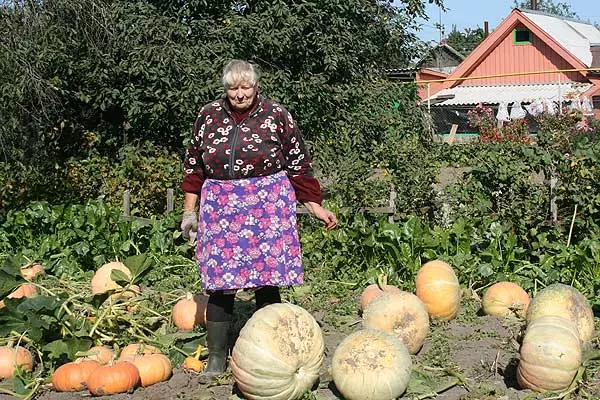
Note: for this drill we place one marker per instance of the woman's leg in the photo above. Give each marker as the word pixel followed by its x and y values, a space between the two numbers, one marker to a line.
pixel 267 295
pixel 219 314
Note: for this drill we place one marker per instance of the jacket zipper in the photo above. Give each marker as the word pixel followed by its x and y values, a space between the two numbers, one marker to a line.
pixel 236 135
pixel 234 139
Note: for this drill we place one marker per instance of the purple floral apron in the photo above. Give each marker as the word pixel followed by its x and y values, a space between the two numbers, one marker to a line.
pixel 247 234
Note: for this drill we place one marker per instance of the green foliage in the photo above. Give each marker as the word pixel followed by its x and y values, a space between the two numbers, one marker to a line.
pixel 556 8
pixel 465 41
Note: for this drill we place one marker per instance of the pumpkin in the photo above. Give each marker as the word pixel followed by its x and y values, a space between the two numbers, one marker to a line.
pixel 402 314
pixel 31 271
pixel 119 377
pixel 189 311
pixel 565 301
pixel 374 290
pixel 505 299
pixel 371 364
pixel 193 362
pixel 278 353
pixel 438 288
pixel 25 290
pixel 153 368
pixel 13 357
pixel 102 354
pixel 73 376
pixel 102 281
pixel 550 354
pixel 137 349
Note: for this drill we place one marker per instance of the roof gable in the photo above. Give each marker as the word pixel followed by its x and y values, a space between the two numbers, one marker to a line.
pixel 515 18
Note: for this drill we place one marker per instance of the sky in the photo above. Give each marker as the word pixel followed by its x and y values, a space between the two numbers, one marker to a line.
pixel 473 13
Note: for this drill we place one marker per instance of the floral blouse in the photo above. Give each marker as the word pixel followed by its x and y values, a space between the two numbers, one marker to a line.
pixel 263 143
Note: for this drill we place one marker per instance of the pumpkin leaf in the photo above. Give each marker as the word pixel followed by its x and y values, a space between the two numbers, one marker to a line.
pixel 10 275
pixel 66 348
pixel 139 265
pixel 119 277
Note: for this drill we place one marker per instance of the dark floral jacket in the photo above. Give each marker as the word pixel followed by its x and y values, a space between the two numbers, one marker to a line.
pixel 267 141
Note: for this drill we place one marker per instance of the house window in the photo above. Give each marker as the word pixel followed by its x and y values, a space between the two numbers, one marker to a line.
pixel 596 102
pixel 522 36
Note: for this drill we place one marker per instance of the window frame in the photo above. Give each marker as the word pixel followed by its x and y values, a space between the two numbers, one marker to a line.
pixel 522 42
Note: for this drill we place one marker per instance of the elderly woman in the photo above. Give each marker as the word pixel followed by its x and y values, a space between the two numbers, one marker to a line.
pixel 248 165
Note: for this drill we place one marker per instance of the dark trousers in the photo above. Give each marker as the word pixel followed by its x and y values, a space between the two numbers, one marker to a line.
pixel 220 304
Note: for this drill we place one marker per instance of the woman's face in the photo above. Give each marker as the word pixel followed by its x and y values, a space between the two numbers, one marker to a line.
pixel 241 95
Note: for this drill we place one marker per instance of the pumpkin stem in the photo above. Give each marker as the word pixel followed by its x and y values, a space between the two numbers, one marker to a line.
pixel 382 279
pixel 198 351
pixel 189 296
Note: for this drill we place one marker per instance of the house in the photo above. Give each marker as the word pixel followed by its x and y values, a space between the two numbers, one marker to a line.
pixel 438 63
pixel 530 57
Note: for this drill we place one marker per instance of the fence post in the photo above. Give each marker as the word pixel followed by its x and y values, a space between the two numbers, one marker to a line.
pixel 553 210
pixel 392 205
pixel 169 200
pixel 127 203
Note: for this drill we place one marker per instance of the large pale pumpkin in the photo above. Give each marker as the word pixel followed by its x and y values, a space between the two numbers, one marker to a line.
pixel 438 288
pixel 13 357
pixel 102 281
pixel 550 354
pixel 189 311
pixel 402 314
pixel 374 290
pixel 564 301
pixel 278 353
pixel 73 376
pixel 505 299
pixel 371 365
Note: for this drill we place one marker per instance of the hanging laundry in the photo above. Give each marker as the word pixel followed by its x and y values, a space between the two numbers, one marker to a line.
pixel 517 111
pixel 502 114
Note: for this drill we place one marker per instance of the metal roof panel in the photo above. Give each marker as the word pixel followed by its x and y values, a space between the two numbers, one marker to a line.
pixel 496 94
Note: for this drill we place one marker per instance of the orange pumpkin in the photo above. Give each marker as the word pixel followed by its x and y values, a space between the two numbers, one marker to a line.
pixel 102 281
pixel 565 301
pixel 550 354
pixel 438 288
pixel 504 299
pixel 73 376
pixel 190 311
pixel 374 290
pixel 193 362
pixel 153 368
pixel 31 271
pixel 138 349
pixel 119 377
pixel 401 314
pixel 371 364
pixel 102 354
pixel 11 357
pixel 25 290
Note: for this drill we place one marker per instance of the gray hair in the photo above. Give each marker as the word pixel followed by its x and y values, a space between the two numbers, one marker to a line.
pixel 237 71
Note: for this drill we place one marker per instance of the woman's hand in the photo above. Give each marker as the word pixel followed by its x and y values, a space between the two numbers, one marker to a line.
pixel 321 213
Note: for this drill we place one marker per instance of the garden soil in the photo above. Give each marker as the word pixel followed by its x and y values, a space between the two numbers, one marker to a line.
pixel 473 357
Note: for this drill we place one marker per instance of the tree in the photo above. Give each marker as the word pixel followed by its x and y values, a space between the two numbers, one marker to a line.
pixel 558 8
pixel 90 76
pixel 465 41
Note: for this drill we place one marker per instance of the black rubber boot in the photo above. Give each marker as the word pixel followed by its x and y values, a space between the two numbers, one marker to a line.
pixel 217 341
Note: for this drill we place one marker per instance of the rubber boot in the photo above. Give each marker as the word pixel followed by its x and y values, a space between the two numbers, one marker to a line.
pixel 217 342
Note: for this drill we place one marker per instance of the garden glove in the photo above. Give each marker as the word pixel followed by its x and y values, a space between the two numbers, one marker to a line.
pixel 189 225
